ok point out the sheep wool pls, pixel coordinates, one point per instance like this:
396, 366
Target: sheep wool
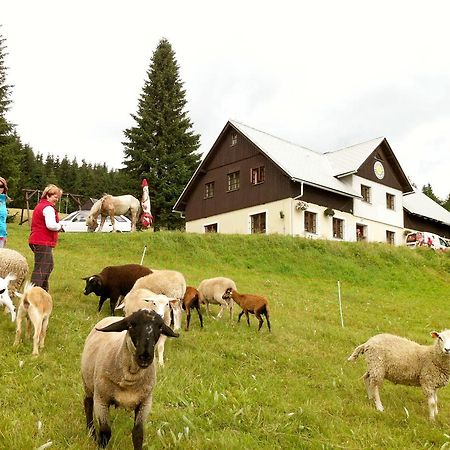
13, 262
406, 362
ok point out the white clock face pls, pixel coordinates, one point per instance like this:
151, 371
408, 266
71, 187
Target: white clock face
379, 170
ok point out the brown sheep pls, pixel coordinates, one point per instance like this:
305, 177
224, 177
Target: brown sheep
190, 300
253, 304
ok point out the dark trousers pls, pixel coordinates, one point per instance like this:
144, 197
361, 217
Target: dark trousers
43, 265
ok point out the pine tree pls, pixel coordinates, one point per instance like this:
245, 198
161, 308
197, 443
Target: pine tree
162, 146
9, 142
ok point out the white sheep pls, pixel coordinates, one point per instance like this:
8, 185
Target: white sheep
13, 262
211, 290
406, 362
168, 282
5, 299
141, 298
36, 306
117, 368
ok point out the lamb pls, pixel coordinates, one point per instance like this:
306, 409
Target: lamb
145, 299
5, 299
117, 368
191, 299
36, 306
211, 290
13, 262
253, 304
406, 362
168, 282
113, 282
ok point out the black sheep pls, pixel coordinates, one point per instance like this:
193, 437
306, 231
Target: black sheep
113, 282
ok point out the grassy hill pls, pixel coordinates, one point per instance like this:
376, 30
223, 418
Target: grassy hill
228, 386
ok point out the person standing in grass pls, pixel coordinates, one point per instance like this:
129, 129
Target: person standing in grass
44, 235
3, 211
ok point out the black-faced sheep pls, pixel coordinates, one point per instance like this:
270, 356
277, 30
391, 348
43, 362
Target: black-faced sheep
36, 306
191, 300
117, 369
253, 304
168, 282
211, 291
406, 362
13, 262
113, 282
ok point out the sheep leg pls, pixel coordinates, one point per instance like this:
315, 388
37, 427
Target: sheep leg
36, 337
140, 416
43, 332
240, 315
432, 402
28, 330
112, 304
197, 307
176, 315
18, 329
367, 384
100, 302
102, 414
248, 318
268, 321
160, 349
222, 309
261, 321
376, 396
188, 316
88, 411
10, 305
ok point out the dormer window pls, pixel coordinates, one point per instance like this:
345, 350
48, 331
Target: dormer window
234, 138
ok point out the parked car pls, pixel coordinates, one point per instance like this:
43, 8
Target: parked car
76, 222
425, 239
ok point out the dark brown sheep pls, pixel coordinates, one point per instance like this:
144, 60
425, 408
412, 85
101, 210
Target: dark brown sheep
113, 282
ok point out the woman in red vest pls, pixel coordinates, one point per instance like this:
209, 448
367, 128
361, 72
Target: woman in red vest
44, 235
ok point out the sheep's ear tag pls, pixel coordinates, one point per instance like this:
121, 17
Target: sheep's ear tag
434, 335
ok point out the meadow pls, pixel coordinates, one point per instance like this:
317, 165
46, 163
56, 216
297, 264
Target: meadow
228, 386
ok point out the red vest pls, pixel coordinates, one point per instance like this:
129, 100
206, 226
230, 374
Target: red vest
40, 234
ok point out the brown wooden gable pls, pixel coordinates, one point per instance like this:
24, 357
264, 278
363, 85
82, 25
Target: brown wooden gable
223, 159
394, 176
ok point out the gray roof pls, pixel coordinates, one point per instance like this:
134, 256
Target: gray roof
420, 204
300, 163
349, 159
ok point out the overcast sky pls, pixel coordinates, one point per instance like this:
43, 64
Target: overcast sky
322, 74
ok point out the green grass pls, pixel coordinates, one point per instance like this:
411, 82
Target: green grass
228, 386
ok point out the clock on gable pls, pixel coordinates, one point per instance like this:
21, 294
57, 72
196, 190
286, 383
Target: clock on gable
378, 168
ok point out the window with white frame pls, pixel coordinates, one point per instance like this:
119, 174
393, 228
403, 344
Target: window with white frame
257, 175
258, 223
310, 222
338, 228
233, 181
390, 201
365, 193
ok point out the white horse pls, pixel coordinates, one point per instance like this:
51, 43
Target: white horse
111, 206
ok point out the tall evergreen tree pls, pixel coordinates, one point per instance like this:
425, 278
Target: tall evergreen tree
162, 146
9, 142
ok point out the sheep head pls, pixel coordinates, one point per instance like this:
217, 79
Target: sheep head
442, 340
227, 295
144, 328
93, 284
